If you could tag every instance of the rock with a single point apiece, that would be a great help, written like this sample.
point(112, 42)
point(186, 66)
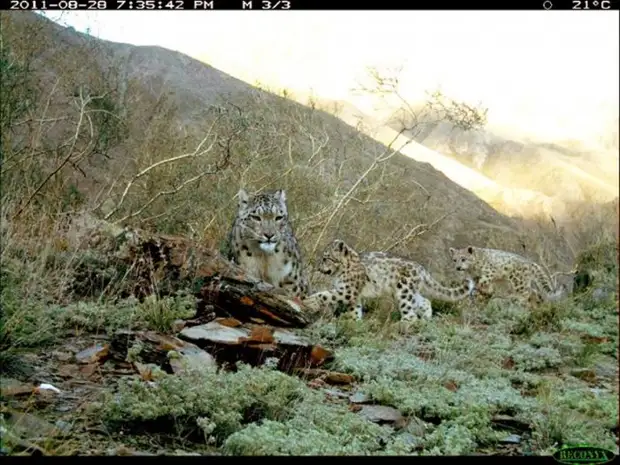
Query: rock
point(63, 426)
point(584, 374)
point(29, 427)
point(511, 439)
point(227, 340)
point(600, 294)
point(178, 325)
point(219, 333)
point(606, 369)
point(259, 335)
point(417, 427)
point(334, 393)
point(152, 347)
point(95, 354)
point(599, 391)
point(62, 356)
point(89, 370)
point(12, 388)
point(319, 355)
point(215, 332)
point(256, 343)
point(286, 337)
point(409, 440)
point(185, 453)
point(232, 322)
point(333, 377)
point(191, 358)
point(126, 451)
point(359, 398)
point(69, 371)
point(329, 377)
point(383, 415)
point(508, 422)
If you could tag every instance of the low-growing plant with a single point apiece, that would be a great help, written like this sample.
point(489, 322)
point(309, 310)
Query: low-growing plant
point(226, 400)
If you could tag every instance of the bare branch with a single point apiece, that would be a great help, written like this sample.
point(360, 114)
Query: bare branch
point(198, 151)
point(344, 200)
point(185, 183)
point(83, 103)
point(416, 231)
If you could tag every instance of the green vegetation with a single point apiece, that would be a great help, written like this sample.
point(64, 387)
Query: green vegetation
point(464, 381)
point(473, 374)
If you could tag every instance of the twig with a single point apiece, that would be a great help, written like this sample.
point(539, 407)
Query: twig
point(217, 169)
point(84, 102)
point(345, 198)
point(197, 152)
point(415, 231)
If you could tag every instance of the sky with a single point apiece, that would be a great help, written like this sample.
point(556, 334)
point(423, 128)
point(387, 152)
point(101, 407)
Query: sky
point(552, 75)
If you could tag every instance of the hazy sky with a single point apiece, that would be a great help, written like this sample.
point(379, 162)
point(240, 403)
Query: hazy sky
point(553, 74)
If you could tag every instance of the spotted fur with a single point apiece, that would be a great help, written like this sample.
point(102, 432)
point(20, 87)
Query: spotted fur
point(263, 243)
point(528, 281)
point(374, 274)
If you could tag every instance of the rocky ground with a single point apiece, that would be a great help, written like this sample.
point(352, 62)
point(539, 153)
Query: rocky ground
point(207, 370)
point(147, 343)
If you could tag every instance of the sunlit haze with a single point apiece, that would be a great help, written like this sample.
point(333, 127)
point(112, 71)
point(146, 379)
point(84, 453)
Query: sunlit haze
point(552, 75)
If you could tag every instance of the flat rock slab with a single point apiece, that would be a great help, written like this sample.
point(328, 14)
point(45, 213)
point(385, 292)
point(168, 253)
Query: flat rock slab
point(281, 336)
point(215, 332)
point(155, 348)
point(382, 414)
point(218, 333)
point(511, 439)
point(223, 341)
point(329, 377)
point(192, 358)
point(30, 427)
point(13, 388)
point(96, 353)
point(359, 398)
point(229, 341)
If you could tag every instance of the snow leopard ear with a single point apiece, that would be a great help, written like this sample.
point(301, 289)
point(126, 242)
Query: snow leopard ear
point(470, 250)
point(452, 250)
point(243, 199)
point(280, 195)
point(342, 247)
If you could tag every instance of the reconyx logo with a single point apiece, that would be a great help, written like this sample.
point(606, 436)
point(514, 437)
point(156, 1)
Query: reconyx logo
point(583, 453)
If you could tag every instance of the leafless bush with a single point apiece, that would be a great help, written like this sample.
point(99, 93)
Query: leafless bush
point(102, 143)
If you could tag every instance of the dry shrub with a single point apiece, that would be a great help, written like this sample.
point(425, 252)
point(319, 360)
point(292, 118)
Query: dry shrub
point(92, 130)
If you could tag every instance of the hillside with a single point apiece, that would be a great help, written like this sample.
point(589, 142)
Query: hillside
point(125, 331)
point(517, 176)
point(566, 171)
point(150, 81)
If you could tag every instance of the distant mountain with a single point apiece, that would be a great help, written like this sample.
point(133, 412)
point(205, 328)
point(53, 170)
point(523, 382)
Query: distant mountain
point(392, 200)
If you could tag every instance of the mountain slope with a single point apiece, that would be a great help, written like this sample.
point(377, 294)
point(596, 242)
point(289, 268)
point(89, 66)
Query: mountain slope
point(169, 101)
